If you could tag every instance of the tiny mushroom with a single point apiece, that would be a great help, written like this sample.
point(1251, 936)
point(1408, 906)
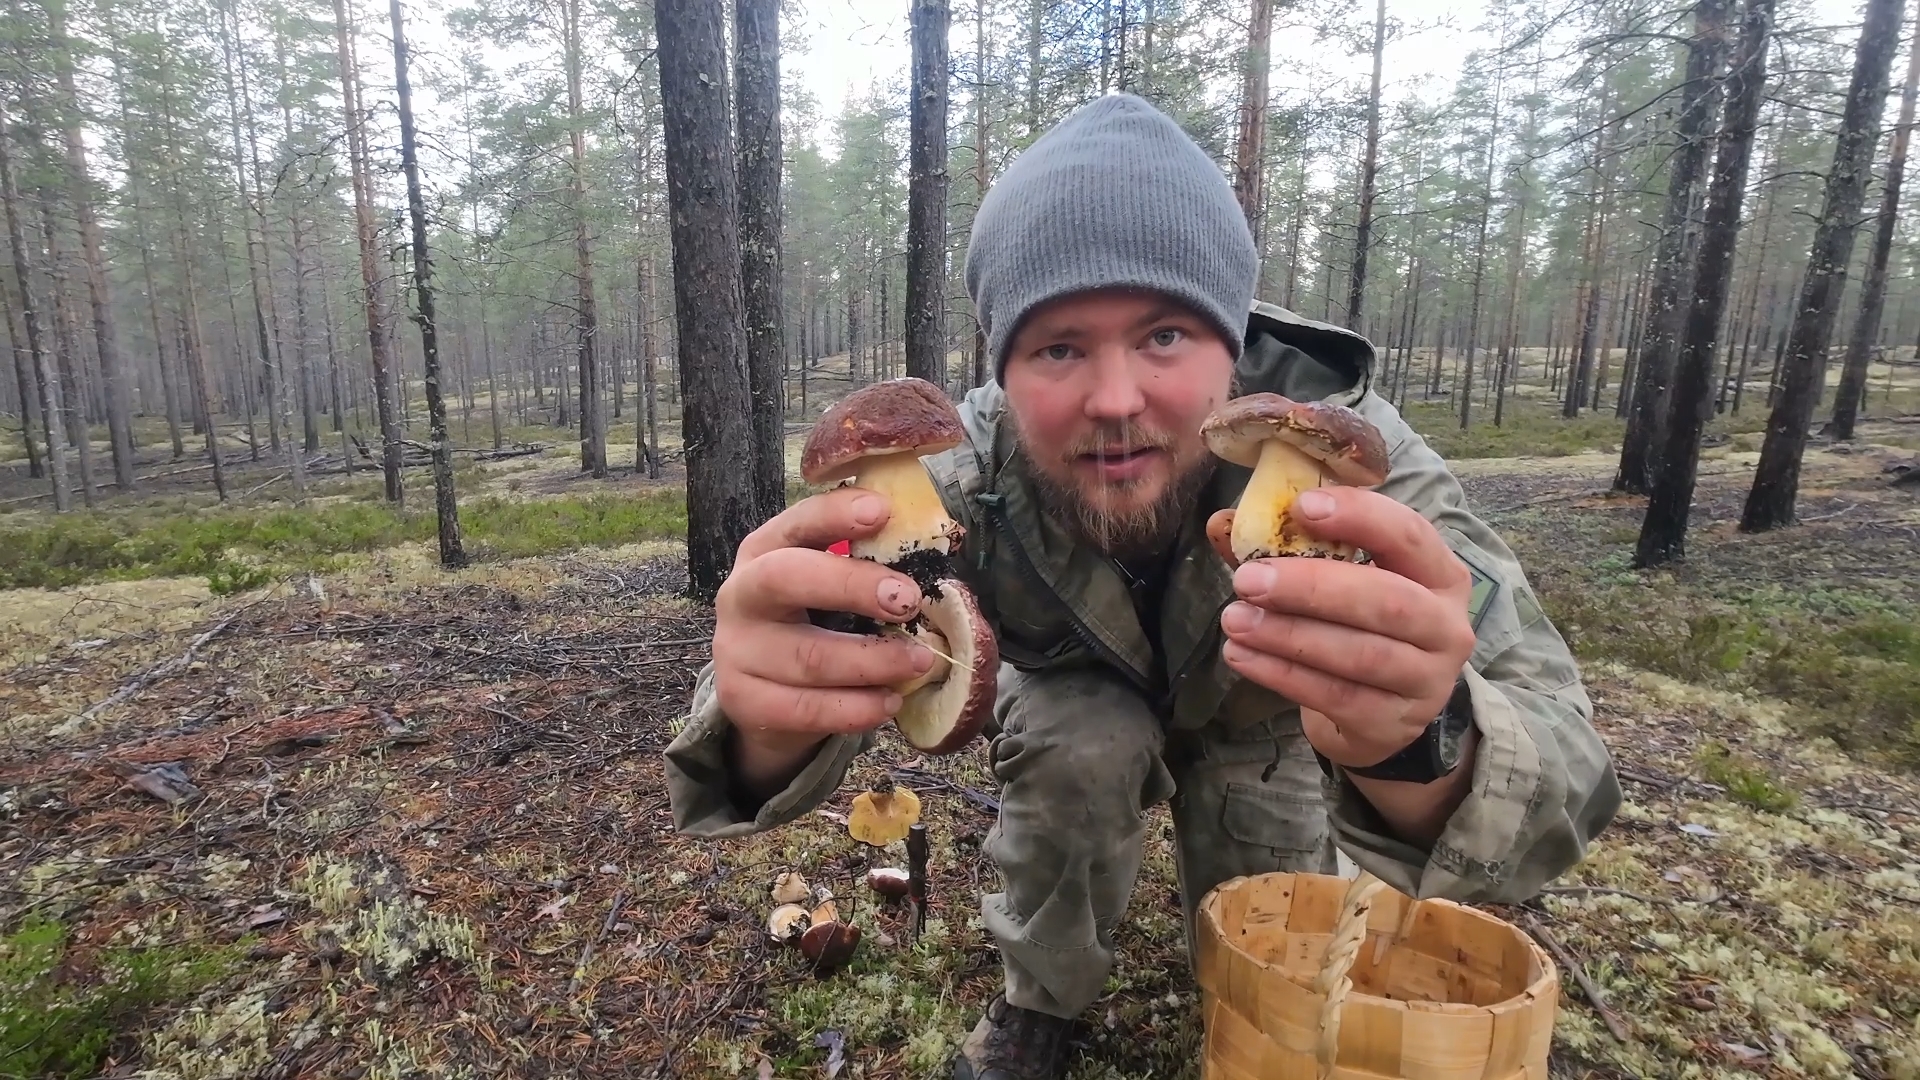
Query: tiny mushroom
point(881, 817)
point(888, 881)
point(1291, 446)
point(874, 439)
point(790, 888)
point(788, 922)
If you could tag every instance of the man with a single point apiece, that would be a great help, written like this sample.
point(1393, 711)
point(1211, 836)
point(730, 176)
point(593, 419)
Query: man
point(1420, 712)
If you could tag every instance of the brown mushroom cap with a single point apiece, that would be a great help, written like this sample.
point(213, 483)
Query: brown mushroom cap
point(897, 416)
point(1346, 443)
point(830, 945)
point(888, 881)
point(942, 717)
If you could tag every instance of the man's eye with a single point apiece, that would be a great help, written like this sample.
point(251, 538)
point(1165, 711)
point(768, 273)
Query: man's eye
point(1166, 337)
point(1057, 352)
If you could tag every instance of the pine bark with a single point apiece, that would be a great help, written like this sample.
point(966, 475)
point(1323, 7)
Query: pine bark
point(66, 349)
point(1663, 531)
point(1776, 480)
point(927, 196)
point(593, 417)
point(1249, 157)
point(709, 308)
point(1873, 291)
point(1677, 252)
point(99, 291)
point(757, 94)
point(1479, 257)
point(48, 379)
point(446, 508)
point(370, 299)
point(29, 386)
point(1369, 168)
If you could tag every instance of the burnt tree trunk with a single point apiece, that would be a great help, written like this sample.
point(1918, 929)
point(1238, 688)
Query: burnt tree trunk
point(1663, 531)
point(446, 509)
point(757, 89)
point(1776, 480)
point(709, 309)
point(1677, 251)
point(927, 197)
point(1873, 289)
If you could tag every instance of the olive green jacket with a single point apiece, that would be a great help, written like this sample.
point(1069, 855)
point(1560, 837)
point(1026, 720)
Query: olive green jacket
point(1543, 782)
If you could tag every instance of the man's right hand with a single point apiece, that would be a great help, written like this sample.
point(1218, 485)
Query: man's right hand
point(784, 683)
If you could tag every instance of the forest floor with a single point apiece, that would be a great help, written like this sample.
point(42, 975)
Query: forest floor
point(365, 819)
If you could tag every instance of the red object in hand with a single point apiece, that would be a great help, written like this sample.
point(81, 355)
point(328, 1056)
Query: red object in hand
point(843, 547)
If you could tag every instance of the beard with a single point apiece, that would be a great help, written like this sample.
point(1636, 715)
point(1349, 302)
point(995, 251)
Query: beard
point(1104, 516)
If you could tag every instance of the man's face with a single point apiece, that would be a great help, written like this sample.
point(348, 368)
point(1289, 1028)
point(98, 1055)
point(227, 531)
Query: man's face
point(1108, 390)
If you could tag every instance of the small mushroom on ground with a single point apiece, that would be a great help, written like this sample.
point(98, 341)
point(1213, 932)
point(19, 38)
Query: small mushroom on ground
point(790, 888)
point(1291, 446)
point(874, 439)
point(827, 912)
point(888, 881)
point(880, 817)
point(830, 945)
point(788, 922)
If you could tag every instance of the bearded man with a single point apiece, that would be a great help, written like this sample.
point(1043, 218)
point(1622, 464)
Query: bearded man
point(1419, 713)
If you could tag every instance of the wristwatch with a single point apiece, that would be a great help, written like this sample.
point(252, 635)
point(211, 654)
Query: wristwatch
point(1436, 753)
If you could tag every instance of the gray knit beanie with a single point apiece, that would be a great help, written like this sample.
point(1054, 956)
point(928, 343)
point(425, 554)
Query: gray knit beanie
point(1115, 195)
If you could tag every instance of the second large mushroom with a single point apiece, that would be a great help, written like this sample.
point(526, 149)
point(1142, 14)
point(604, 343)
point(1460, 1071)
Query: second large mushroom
point(1291, 446)
point(875, 438)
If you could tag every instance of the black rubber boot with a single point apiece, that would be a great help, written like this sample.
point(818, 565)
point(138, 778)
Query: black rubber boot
point(1011, 1043)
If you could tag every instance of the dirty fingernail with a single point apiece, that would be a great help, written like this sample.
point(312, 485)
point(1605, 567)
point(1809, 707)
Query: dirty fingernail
point(867, 509)
point(1253, 578)
point(895, 598)
point(1241, 618)
point(1314, 504)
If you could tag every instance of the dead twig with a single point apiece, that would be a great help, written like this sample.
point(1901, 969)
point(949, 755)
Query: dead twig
point(161, 670)
point(1599, 1001)
point(1597, 890)
point(586, 954)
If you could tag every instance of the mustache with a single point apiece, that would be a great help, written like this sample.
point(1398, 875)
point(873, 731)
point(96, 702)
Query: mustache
point(1108, 435)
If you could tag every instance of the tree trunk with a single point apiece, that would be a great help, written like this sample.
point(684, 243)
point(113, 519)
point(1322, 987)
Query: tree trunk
point(982, 369)
point(446, 508)
point(48, 379)
point(1676, 255)
point(708, 306)
point(29, 385)
point(1249, 159)
point(926, 300)
point(1479, 252)
point(757, 86)
point(1663, 531)
point(1776, 480)
point(66, 348)
point(99, 294)
point(1873, 296)
point(1369, 167)
point(593, 423)
point(648, 376)
point(369, 267)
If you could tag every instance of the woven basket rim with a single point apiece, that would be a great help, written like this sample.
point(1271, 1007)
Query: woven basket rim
point(1547, 982)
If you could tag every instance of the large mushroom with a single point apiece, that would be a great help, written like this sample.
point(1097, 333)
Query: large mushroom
point(874, 439)
point(1291, 446)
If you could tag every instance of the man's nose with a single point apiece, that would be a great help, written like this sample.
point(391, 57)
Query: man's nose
point(1117, 393)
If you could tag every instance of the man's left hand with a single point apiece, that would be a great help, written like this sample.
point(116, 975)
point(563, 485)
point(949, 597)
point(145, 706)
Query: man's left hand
point(1369, 652)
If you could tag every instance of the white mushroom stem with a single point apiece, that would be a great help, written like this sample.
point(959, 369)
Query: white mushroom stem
point(937, 644)
point(919, 520)
point(1260, 518)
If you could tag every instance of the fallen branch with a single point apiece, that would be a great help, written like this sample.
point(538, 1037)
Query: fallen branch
point(161, 670)
point(1598, 890)
point(586, 954)
point(1599, 1001)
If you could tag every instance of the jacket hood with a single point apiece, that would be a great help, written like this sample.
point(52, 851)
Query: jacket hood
point(1304, 359)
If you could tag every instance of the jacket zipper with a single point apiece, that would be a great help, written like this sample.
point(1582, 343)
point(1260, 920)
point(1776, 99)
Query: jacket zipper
point(1087, 637)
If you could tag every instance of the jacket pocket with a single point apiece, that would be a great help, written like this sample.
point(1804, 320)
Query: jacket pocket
point(1293, 826)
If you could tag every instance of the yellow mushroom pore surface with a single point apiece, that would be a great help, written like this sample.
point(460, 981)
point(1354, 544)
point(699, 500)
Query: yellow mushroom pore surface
point(1260, 518)
point(919, 519)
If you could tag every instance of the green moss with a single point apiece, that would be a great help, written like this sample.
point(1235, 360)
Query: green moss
point(1746, 781)
point(60, 1020)
point(239, 548)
